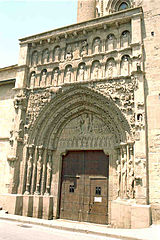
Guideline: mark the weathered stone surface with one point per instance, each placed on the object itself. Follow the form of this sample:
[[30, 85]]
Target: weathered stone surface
[[89, 86]]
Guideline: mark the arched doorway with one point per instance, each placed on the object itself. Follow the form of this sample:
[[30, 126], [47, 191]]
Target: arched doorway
[[84, 186], [77, 121]]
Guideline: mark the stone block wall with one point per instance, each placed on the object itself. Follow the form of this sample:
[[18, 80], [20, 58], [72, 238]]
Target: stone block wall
[[6, 124], [151, 38]]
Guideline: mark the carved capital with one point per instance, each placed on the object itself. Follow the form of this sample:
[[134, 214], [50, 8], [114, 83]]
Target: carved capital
[[12, 158], [30, 149], [50, 152], [40, 150]]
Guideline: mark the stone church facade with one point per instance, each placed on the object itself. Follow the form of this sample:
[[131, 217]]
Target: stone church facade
[[79, 125]]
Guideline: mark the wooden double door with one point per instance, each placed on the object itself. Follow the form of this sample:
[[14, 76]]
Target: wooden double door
[[84, 186]]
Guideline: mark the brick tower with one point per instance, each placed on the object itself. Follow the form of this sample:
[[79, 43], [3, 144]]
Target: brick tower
[[86, 10]]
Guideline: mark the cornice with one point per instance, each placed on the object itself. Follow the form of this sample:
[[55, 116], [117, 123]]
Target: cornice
[[102, 22]]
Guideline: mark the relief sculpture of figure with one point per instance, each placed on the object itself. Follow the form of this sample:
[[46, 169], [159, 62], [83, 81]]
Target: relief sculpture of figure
[[68, 74], [110, 70], [43, 78], [55, 77], [84, 49], [39, 169], [86, 123], [45, 56], [34, 59], [49, 170], [130, 180], [111, 42], [96, 45], [32, 79], [69, 54], [29, 170], [125, 66], [81, 73], [57, 54], [124, 177], [96, 71], [119, 176], [125, 39]]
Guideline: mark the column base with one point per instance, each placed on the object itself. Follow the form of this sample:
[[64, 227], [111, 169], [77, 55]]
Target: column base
[[48, 207], [37, 206], [27, 205]]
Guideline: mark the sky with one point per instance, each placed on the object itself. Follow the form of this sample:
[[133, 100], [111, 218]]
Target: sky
[[21, 18]]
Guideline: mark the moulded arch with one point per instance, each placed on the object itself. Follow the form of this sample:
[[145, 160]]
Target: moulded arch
[[113, 5], [70, 104]]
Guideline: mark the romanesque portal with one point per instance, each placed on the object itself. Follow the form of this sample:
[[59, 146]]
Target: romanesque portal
[[81, 90], [85, 130]]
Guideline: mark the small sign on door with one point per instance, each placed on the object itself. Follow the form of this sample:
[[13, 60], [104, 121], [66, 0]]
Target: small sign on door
[[97, 199]]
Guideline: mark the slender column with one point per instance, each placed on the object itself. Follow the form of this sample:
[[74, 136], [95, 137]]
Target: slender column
[[131, 193], [39, 168], [124, 170], [118, 162], [43, 181], [33, 183], [29, 168], [49, 172]]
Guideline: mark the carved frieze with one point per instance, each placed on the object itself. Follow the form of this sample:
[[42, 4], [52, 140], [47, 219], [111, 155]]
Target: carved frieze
[[36, 101], [86, 131]]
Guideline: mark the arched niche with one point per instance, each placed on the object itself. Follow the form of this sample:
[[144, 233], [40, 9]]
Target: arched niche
[[56, 53], [125, 65], [34, 58], [55, 76], [110, 69], [96, 72], [32, 79], [111, 42], [68, 74], [125, 39], [96, 45], [81, 72], [43, 78], [45, 56]]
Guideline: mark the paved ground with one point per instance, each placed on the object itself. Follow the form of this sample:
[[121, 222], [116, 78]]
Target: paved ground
[[75, 230], [19, 231]]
